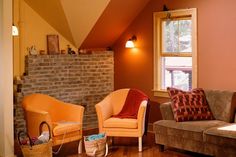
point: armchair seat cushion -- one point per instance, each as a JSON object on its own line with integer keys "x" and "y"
{"x": 121, "y": 123}
{"x": 190, "y": 129}
{"x": 60, "y": 128}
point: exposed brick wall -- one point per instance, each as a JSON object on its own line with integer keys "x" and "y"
{"x": 79, "y": 79}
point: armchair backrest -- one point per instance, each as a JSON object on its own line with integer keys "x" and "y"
{"x": 117, "y": 99}
{"x": 44, "y": 103}
{"x": 222, "y": 104}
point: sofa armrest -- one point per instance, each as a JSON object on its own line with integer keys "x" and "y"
{"x": 33, "y": 120}
{"x": 166, "y": 111}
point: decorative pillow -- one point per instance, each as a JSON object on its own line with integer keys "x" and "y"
{"x": 189, "y": 106}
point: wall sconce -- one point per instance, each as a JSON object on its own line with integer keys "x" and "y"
{"x": 130, "y": 42}
{"x": 15, "y": 31}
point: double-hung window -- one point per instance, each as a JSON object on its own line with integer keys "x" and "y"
{"x": 175, "y": 50}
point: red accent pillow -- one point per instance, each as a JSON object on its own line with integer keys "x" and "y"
{"x": 189, "y": 106}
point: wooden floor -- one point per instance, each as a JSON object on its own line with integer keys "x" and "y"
{"x": 122, "y": 147}
{"x": 132, "y": 151}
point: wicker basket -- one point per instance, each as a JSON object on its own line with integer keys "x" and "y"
{"x": 40, "y": 150}
{"x": 96, "y": 147}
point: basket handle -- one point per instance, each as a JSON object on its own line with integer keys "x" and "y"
{"x": 22, "y": 132}
{"x": 41, "y": 128}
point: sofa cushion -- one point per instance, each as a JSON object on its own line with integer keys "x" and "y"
{"x": 60, "y": 128}
{"x": 221, "y": 135}
{"x": 222, "y": 104}
{"x": 191, "y": 129}
{"x": 188, "y": 106}
{"x": 121, "y": 123}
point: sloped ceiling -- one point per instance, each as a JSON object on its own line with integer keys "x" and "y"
{"x": 89, "y": 23}
{"x": 82, "y": 16}
{"x": 113, "y": 22}
{"x": 53, "y": 13}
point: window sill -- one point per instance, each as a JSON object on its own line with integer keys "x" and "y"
{"x": 161, "y": 93}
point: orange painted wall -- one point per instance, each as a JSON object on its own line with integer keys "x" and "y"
{"x": 216, "y": 46}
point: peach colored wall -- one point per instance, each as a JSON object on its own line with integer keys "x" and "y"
{"x": 33, "y": 30}
{"x": 216, "y": 46}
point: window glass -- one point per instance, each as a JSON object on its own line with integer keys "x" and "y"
{"x": 177, "y": 72}
{"x": 176, "y": 36}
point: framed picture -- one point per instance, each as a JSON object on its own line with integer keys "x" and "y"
{"x": 53, "y": 44}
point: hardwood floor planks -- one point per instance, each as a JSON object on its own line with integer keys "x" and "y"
{"x": 122, "y": 147}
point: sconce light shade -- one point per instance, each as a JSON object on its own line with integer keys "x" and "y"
{"x": 15, "y": 31}
{"x": 130, "y": 42}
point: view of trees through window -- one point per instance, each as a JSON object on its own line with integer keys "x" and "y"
{"x": 176, "y": 38}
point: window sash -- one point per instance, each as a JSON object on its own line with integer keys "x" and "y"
{"x": 158, "y": 54}
{"x": 163, "y": 53}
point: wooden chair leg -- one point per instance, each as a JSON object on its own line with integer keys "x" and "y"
{"x": 106, "y": 150}
{"x": 140, "y": 144}
{"x": 80, "y": 147}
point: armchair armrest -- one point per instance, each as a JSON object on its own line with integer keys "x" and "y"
{"x": 166, "y": 111}
{"x": 104, "y": 111}
{"x": 71, "y": 112}
{"x": 34, "y": 118}
{"x": 141, "y": 117}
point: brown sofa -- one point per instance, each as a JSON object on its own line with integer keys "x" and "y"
{"x": 211, "y": 137}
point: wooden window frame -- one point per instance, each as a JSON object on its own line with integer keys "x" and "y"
{"x": 158, "y": 17}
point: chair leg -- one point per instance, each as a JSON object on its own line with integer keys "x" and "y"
{"x": 139, "y": 144}
{"x": 106, "y": 150}
{"x": 80, "y": 147}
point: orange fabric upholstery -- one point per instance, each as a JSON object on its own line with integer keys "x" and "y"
{"x": 121, "y": 123}
{"x": 62, "y": 117}
{"x": 65, "y": 128}
{"x": 112, "y": 105}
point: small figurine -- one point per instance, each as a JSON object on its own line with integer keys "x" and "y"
{"x": 42, "y": 52}
{"x": 32, "y": 50}
{"x": 69, "y": 50}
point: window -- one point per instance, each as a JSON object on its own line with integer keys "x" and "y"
{"x": 175, "y": 50}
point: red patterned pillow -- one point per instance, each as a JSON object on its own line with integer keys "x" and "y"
{"x": 189, "y": 106}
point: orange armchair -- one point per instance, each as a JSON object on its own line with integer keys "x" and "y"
{"x": 65, "y": 119}
{"x": 112, "y": 105}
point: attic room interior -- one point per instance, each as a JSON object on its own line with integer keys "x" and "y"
{"x": 115, "y": 78}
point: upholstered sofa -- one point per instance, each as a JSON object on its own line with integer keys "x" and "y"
{"x": 211, "y": 137}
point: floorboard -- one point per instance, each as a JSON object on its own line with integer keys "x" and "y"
{"x": 122, "y": 147}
